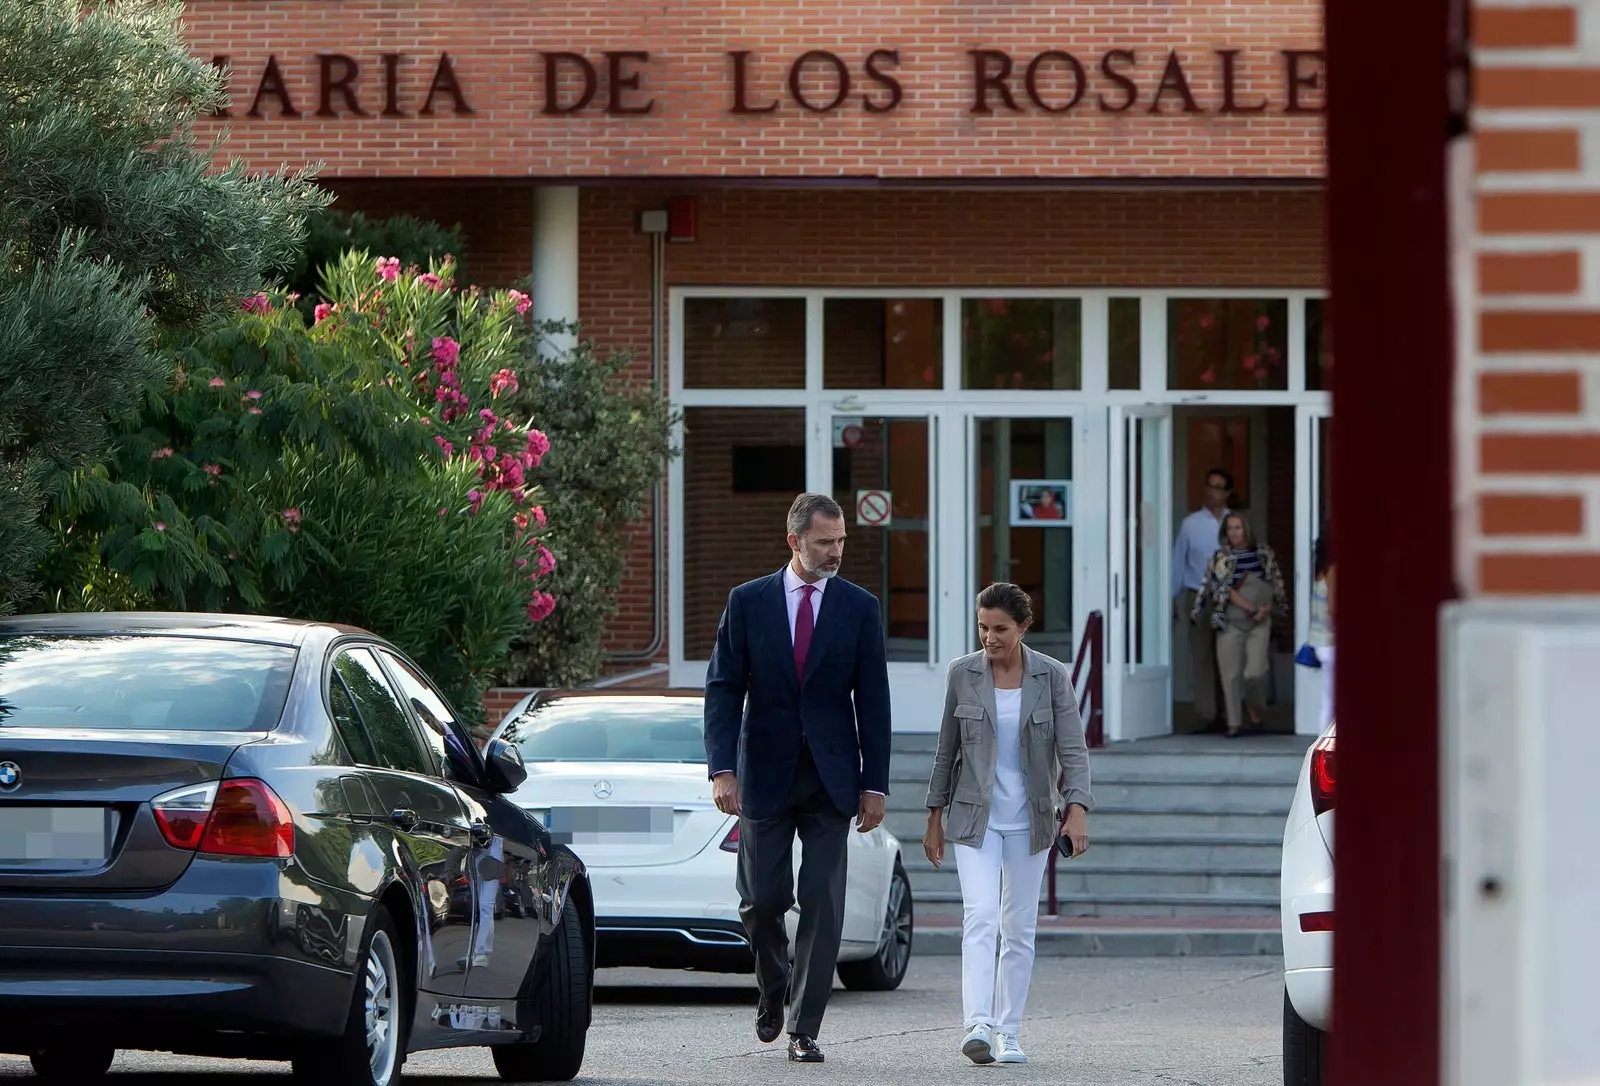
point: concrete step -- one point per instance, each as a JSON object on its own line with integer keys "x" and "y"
{"x": 1110, "y": 883}
{"x": 1082, "y": 937}
{"x": 1147, "y": 822}
{"x": 1129, "y": 905}
{"x": 1196, "y": 852}
{"x": 1231, "y": 797}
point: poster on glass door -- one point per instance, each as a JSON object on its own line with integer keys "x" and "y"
{"x": 1041, "y": 503}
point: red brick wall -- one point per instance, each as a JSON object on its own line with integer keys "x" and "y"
{"x": 495, "y": 55}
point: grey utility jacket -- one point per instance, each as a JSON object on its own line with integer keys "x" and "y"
{"x": 1052, "y": 739}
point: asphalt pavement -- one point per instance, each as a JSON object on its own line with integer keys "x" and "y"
{"x": 1091, "y": 1022}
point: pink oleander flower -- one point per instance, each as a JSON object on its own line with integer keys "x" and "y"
{"x": 540, "y": 605}
{"x": 253, "y": 394}
{"x": 161, "y": 525}
{"x": 291, "y": 518}
{"x": 218, "y": 382}
{"x": 475, "y": 498}
{"x": 538, "y": 515}
{"x": 253, "y": 410}
{"x": 256, "y": 303}
{"x": 212, "y": 469}
{"x": 445, "y": 352}
{"x": 322, "y": 312}
{"x": 547, "y": 561}
{"x": 503, "y": 381}
{"x": 538, "y": 445}
{"x": 439, "y": 440}
{"x": 388, "y": 268}
{"x": 521, "y": 301}
{"x": 162, "y": 453}
{"x": 431, "y": 281}
{"x": 292, "y": 297}
{"x": 442, "y": 510}
{"x": 521, "y": 521}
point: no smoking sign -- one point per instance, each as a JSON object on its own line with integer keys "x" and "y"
{"x": 874, "y": 508}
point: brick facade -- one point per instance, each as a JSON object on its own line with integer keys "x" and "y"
{"x": 1528, "y": 442}
{"x": 1195, "y": 89}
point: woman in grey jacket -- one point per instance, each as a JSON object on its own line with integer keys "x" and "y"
{"x": 1010, "y": 727}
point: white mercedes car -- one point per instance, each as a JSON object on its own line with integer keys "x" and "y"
{"x": 1307, "y": 889}
{"x": 621, "y": 779}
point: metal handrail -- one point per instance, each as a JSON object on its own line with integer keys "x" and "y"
{"x": 1091, "y": 707}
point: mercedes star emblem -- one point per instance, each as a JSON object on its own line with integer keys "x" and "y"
{"x": 602, "y": 789}
{"x": 11, "y": 777}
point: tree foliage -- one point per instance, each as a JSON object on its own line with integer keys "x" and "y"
{"x": 115, "y": 227}
{"x": 331, "y": 233}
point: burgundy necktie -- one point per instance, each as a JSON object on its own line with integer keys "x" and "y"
{"x": 804, "y": 623}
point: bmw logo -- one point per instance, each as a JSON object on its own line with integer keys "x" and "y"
{"x": 10, "y": 776}
{"x": 602, "y": 789}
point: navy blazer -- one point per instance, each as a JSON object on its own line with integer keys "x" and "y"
{"x": 757, "y": 708}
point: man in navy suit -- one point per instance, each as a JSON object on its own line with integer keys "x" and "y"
{"x": 797, "y": 742}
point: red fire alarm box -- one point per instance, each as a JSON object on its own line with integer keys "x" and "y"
{"x": 682, "y": 214}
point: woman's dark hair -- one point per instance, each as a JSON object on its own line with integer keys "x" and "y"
{"x": 1322, "y": 553}
{"x": 1002, "y": 596}
{"x": 1249, "y": 532}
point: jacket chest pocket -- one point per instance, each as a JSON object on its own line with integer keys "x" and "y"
{"x": 1042, "y": 726}
{"x": 970, "y": 717}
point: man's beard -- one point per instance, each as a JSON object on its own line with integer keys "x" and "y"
{"x": 816, "y": 569}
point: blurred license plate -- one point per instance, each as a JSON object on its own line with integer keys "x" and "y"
{"x": 611, "y": 825}
{"x": 30, "y": 834}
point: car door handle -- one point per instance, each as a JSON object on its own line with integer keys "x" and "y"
{"x": 403, "y": 819}
{"x": 482, "y": 834}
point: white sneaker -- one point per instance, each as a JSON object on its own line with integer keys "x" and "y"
{"x": 978, "y": 1044}
{"x": 1009, "y": 1051}
{"x": 480, "y": 961}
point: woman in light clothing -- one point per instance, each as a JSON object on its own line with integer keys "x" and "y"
{"x": 1243, "y": 586}
{"x": 1010, "y": 727}
{"x": 1321, "y": 634}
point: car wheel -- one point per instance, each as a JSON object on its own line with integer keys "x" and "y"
{"x": 77, "y": 1062}
{"x": 884, "y": 971}
{"x": 372, "y": 1047}
{"x": 1302, "y": 1048}
{"x": 562, "y": 999}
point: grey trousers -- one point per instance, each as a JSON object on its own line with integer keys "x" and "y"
{"x": 1202, "y": 659}
{"x": 767, "y": 893}
{"x": 1243, "y": 660}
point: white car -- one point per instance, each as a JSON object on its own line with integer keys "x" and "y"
{"x": 1307, "y": 889}
{"x": 621, "y": 779}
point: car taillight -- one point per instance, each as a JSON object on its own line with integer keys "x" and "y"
{"x": 236, "y": 817}
{"x": 1322, "y": 775}
{"x": 730, "y": 843}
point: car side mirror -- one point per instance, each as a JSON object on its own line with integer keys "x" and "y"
{"x": 503, "y": 762}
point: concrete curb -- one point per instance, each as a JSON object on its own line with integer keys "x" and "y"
{"x": 1107, "y": 942}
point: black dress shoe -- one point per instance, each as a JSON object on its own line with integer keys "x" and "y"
{"x": 803, "y": 1049}
{"x": 769, "y": 1021}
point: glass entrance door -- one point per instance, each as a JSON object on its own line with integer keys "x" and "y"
{"x": 1313, "y": 516}
{"x": 1139, "y": 626}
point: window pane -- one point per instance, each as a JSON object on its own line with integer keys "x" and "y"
{"x": 887, "y": 549}
{"x": 348, "y": 723}
{"x": 744, "y": 343}
{"x": 442, "y": 731}
{"x": 381, "y": 712}
{"x": 143, "y": 682}
{"x": 732, "y": 534}
{"x": 1228, "y": 343}
{"x": 1021, "y": 343}
{"x": 1124, "y": 349}
{"x": 1025, "y": 470}
{"x": 602, "y": 729}
{"x": 1319, "y": 351}
{"x": 882, "y": 343}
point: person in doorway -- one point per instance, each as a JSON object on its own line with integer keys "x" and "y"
{"x": 797, "y": 741}
{"x": 1010, "y": 726}
{"x": 1243, "y": 588}
{"x": 1321, "y": 633}
{"x": 1191, "y": 554}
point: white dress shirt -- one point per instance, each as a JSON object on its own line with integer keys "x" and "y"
{"x": 1191, "y": 554}
{"x": 792, "y": 584}
{"x": 1008, "y": 808}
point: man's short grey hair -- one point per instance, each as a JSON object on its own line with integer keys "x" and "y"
{"x": 807, "y": 507}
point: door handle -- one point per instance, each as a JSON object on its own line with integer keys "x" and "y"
{"x": 403, "y": 819}
{"x": 482, "y": 834}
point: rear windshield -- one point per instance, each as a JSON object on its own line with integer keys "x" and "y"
{"x": 143, "y": 683}
{"x": 645, "y": 729}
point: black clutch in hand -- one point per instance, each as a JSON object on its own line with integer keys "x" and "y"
{"x": 1064, "y": 843}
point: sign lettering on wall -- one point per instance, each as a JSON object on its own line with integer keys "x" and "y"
{"x": 615, "y": 83}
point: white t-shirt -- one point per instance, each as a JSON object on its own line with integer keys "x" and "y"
{"x": 1008, "y": 805}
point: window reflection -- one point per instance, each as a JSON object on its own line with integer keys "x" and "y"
{"x": 1233, "y": 344}
{"x": 1022, "y": 343}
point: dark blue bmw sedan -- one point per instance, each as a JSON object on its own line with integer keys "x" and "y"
{"x": 239, "y": 836}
